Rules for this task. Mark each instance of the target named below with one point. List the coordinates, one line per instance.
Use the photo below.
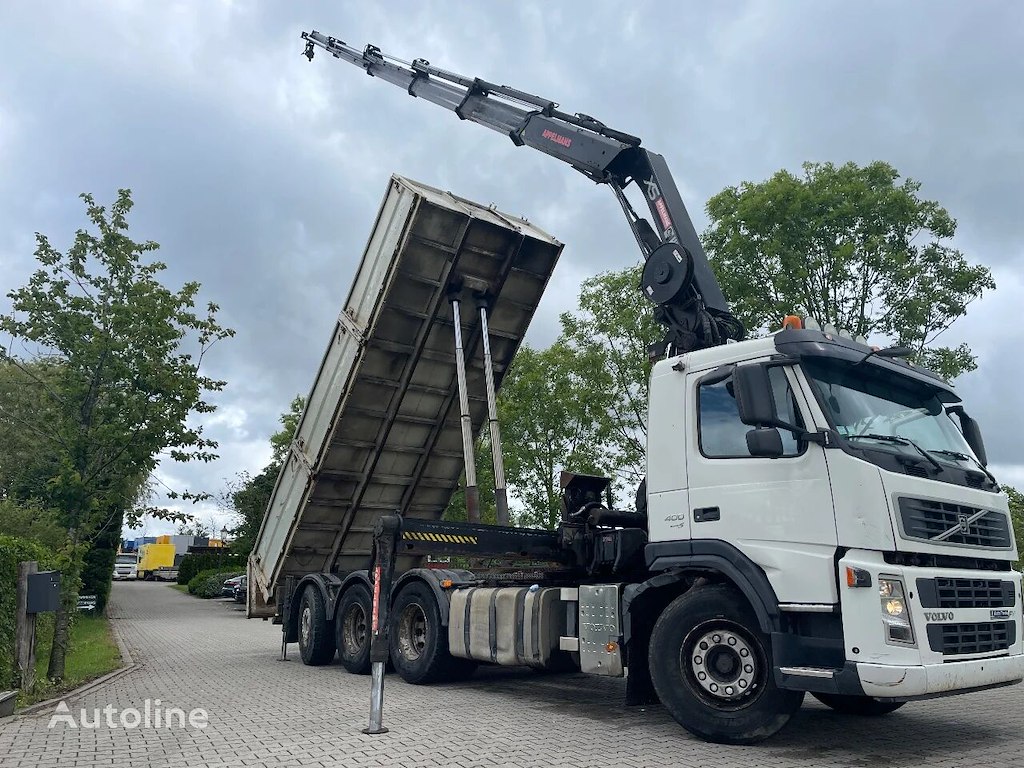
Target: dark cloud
(260, 173)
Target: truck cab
(126, 566)
(839, 474)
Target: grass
(180, 587)
(93, 653)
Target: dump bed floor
(381, 429)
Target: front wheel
(865, 706)
(711, 667)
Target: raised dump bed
(381, 429)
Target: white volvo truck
(817, 514)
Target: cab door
(668, 506)
(777, 511)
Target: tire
(417, 641)
(864, 706)
(352, 629)
(711, 666)
(316, 638)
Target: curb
(126, 659)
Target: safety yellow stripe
(449, 538)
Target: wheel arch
(716, 561)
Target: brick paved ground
(193, 653)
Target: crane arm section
(677, 277)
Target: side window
(723, 435)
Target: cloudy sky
(260, 173)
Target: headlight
(895, 608)
(890, 588)
(895, 614)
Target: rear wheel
(711, 667)
(865, 706)
(316, 640)
(352, 625)
(418, 641)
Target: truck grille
(982, 637)
(943, 523)
(966, 593)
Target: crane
(677, 277)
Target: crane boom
(677, 277)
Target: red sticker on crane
(376, 599)
(558, 138)
(666, 221)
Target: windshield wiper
(900, 440)
(965, 457)
(954, 454)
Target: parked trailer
(156, 558)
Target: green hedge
(98, 567)
(208, 584)
(190, 565)
(13, 551)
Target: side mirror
(972, 434)
(765, 442)
(754, 400)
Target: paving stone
(263, 712)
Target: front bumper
(930, 680)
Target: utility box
(43, 592)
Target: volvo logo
(943, 616)
(964, 521)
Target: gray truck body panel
(380, 431)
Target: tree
(847, 245)
(456, 510)
(29, 519)
(195, 527)
(549, 422)
(281, 440)
(612, 331)
(26, 461)
(120, 388)
(247, 496)
(1017, 518)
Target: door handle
(704, 514)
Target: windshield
(125, 560)
(865, 403)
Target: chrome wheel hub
(724, 664)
